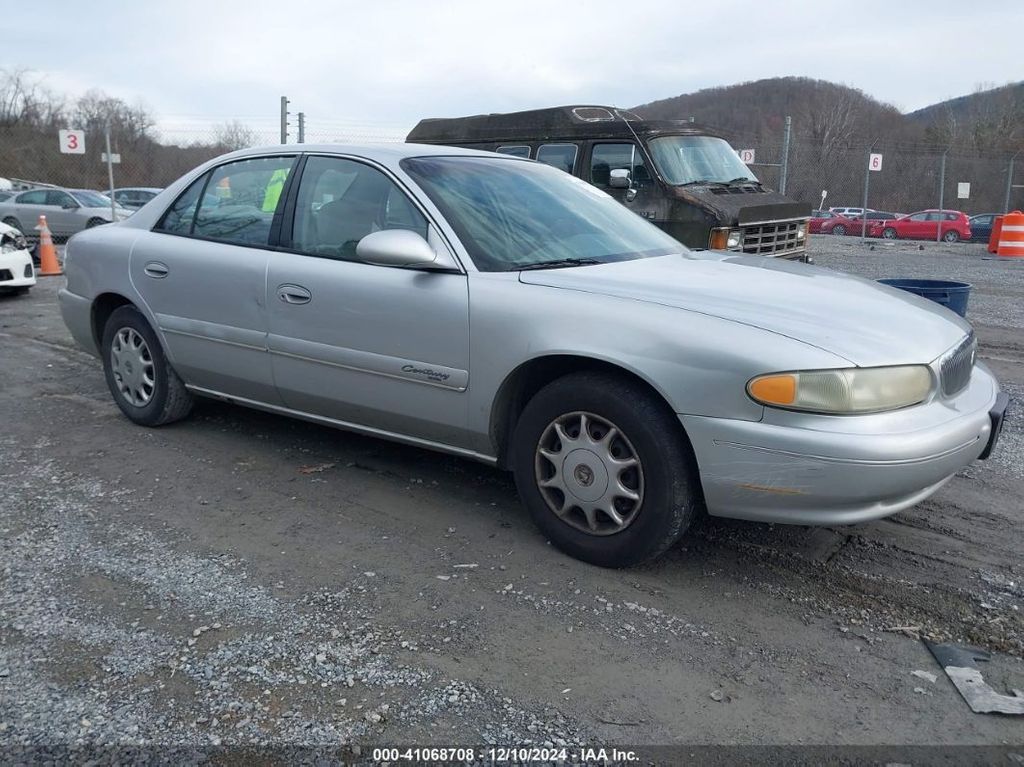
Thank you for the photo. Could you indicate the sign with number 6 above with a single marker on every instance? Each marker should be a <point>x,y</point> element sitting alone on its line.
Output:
<point>72,141</point>
<point>875,162</point>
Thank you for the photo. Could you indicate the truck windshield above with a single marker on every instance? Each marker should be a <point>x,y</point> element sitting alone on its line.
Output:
<point>694,159</point>
<point>513,215</point>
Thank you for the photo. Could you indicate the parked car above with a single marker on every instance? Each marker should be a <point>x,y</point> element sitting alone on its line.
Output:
<point>5,194</point>
<point>67,210</point>
<point>981,226</point>
<point>827,222</point>
<point>16,271</point>
<point>503,310</point>
<point>135,197</point>
<point>924,225</point>
<point>847,211</point>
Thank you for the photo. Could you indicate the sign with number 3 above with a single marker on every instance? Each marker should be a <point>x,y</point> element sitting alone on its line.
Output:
<point>72,141</point>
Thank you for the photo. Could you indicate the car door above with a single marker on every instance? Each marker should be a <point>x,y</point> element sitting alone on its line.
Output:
<point>641,197</point>
<point>202,274</point>
<point>916,226</point>
<point>64,216</point>
<point>28,207</point>
<point>380,347</point>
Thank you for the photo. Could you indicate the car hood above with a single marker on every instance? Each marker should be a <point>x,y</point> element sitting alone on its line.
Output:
<point>860,320</point>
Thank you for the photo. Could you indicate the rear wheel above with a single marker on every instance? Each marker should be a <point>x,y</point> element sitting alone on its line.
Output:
<point>951,236</point>
<point>605,469</point>
<point>889,233</point>
<point>839,229</point>
<point>141,380</point>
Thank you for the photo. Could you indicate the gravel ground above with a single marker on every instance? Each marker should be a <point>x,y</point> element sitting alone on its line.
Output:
<point>241,578</point>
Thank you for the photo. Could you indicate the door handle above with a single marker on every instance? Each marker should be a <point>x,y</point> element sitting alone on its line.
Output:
<point>156,270</point>
<point>294,294</point>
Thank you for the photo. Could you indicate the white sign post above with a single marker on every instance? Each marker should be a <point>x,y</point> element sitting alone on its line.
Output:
<point>72,141</point>
<point>747,156</point>
<point>963,190</point>
<point>875,162</point>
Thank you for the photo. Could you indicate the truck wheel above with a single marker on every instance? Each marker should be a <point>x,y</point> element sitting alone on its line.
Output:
<point>605,469</point>
<point>141,380</point>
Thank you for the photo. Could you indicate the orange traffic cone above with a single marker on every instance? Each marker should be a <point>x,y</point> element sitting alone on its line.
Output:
<point>48,265</point>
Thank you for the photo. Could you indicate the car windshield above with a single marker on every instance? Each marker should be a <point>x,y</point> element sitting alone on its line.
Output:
<point>692,159</point>
<point>91,199</point>
<point>512,214</point>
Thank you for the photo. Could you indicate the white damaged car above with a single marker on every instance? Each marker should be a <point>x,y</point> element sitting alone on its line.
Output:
<point>16,271</point>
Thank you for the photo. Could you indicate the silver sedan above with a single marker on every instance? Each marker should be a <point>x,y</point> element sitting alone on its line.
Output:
<point>502,310</point>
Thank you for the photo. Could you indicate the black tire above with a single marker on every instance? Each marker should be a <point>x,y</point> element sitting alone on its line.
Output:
<point>671,489</point>
<point>170,401</point>
<point>12,221</point>
<point>890,234</point>
<point>839,230</point>
<point>951,236</point>
<point>95,222</point>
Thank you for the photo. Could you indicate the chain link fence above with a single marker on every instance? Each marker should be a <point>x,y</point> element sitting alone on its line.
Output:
<point>908,181</point>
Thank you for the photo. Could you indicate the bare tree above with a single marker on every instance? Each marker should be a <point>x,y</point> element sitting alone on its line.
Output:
<point>235,135</point>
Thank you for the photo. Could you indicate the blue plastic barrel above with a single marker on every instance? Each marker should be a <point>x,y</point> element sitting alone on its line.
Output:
<point>952,295</point>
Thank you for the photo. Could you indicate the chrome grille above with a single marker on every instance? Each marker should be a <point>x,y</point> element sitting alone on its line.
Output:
<point>956,367</point>
<point>772,239</point>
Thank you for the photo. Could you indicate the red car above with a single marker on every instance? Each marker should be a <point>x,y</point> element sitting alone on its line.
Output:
<point>827,222</point>
<point>924,225</point>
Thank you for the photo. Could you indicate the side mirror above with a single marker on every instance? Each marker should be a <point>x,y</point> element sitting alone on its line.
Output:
<point>395,247</point>
<point>619,179</point>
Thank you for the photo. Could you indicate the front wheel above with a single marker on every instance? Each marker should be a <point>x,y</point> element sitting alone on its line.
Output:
<point>95,222</point>
<point>605,469</point>
<point>839,230</point>
<point>951,236</point>
<point>889,233</point>
<point>141,380</point>
<point>13,222</point>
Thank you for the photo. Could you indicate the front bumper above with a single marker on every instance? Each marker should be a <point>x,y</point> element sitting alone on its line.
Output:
<point>821,470</point>
<point>16,270</point>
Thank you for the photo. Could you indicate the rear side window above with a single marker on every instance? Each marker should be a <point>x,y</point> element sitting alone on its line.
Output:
<point>240,200</point>
<point>561,156</point>
<point>37,197</point>
<point>515,151</point>
<point>179,217</point>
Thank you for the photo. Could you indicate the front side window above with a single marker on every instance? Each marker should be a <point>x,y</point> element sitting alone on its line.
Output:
<point>89,199</point>
<point>240,200</point>
<point>698,159</point>
<point>61,199</point>
<point>515,151</point>
<point>37,197</point>
<point>512,215</point>
<point>919,217</point>
<point>608,157</point>
<point>341,201</point>
<point>561,156</point>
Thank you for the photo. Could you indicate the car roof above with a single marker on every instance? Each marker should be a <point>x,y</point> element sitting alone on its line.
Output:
<point>386,153</point>
<point>139,189</point>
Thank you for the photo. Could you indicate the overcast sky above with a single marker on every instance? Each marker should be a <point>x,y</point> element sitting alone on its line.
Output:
<point>390,62</point>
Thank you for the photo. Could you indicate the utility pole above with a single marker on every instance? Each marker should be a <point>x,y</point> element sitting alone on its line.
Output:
<point>110,175</point>
<point>1009,184</point>
<point>784,173</point>
<point>864,205</point>
<point>302,127</point>
<point>942,196</point>
<point>284,119</point>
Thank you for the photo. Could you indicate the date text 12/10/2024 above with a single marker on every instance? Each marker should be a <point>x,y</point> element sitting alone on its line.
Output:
<point>494,754</point>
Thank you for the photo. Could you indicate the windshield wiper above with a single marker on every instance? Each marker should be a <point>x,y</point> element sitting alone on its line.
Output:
<point>559,263</point>
<point>704,182</point>
<point>744,180</point>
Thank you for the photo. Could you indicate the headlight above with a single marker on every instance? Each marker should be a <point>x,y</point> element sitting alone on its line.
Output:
<point>724,238</point>
<point>801,231</point>
<point>846,391</point>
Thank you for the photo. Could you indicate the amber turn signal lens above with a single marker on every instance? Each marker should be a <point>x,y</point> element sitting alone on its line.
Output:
<point>719,239</point>
<point>774,390</point>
